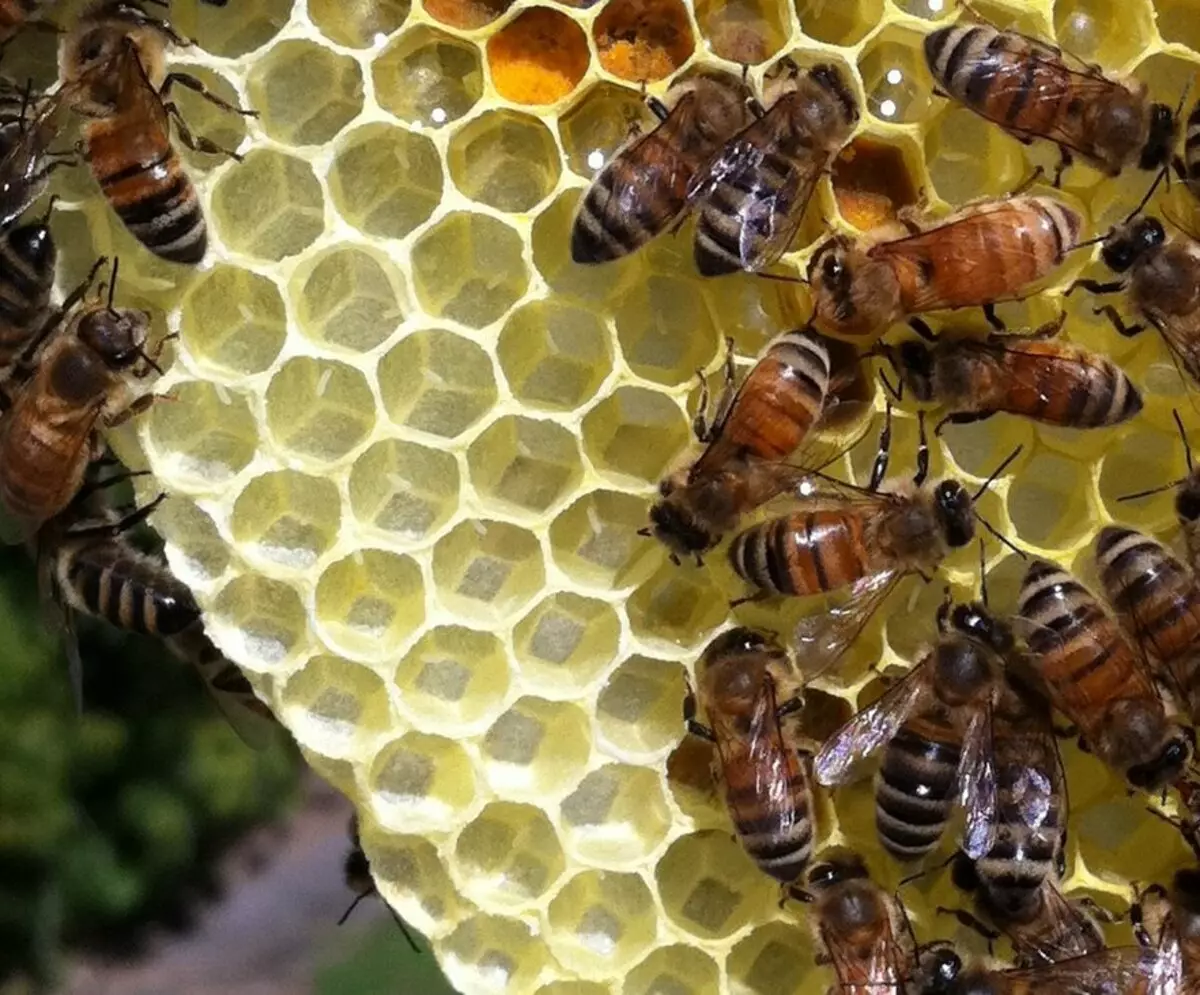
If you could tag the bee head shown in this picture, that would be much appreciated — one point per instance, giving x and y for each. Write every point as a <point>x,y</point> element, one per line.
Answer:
<point>1168,766</point>
<point>976,621</point>
<point>952,505</point>
<point>1129,242</point>
<point>830,78</point>
<point>914,362</point>
<point>1161,140</point>
<point>34,246</point>
<point>117,336</point>
<point>675,527</point>
<point>940,968</point>
<point>1187,499</point>
<point>836,868</point>
<point>741,640</point>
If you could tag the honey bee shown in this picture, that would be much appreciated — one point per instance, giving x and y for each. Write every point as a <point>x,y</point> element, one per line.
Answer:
<point>113,70</point>
<point>782,398</point>
<point>356,870</point>
<point>764,774</point>
<point>980,255</point>
<point>1188,167</point>
<point>28,124</point>
<point>1177,944</point>
<point>644,188</point>
<point>1028,88</point>
<point>28,256</point>
<point>1094,676</point>
<point>1056,383</point>
<point>937,727</point>
<point>753,195</point>
<point>1115,970</point>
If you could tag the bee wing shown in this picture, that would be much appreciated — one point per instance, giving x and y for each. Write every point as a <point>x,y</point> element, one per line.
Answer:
<point>977,784</point>
<point>822,638</point>
<point>773,761</point>
<point>875,974</point>
<point>1028,745</point>
<point>1112,971</point>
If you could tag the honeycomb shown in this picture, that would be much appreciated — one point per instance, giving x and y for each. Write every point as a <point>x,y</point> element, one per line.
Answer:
<point>411,444</point>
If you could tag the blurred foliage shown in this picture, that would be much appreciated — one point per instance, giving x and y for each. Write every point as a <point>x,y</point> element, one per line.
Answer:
<point>383,963</point>
<point>111,820</point>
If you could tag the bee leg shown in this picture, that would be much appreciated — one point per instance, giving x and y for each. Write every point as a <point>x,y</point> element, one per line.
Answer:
<point>879,470</point>
<point>989,312</point>
<point>759,595</point>
<point>1118,323</point>
<point>114,529</point>
<point>922,328</point>
<point>1096,910</point>
<point>192,83</point>
<point>1065,161</point>
<point>136,408</point>
<point>922,452</point>
<point>1180,168</point>
<point>657,107</point>
<point>694,727</point>
<point>1028,182</point>
<point>198,143</point>
<point>789,707</point>
<point>701,428</point>
<point>972,923</point>
<point>1096,287</point>
<point>961,418</point>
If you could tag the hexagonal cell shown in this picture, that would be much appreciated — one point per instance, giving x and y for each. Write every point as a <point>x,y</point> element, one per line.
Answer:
<point>421,782</point>
<point>846,22</point>
<point>677,606</point>
<point>895,77</point>
<point>640,708</point>
<point>1048,501</point>
<point>599,122</point>
<point>538,57</point>
<point>287,518</point>
<point>258,622</point>
<point>554,355</point>
<point>1144,459</point>
<point>348,297</point>
<point>537,748</point>
<point>565,642</point>
<point>524,465</point>
<point>412,878</point>
<point>772,960</point>
<point>197,552</point>
<point>203,117</point>
<point>574,988</point>
<point>370,602</point>
<point>358,23</point>
<point>487,570</point>
<point>618,814</point>
<point>872,181</point>
<point>233,320</point>
<point>319,409</point>
<point>595,541</point>
<point>967,156</point>
<point>454,675</point>
<point>233,31</point>
<point>206,437</point>
<point>600,922</point>
<point>404,490</point>
<point>386,181</point>
<point>931,10</point>
<point>508,855</point>
<point>677,970</point>
<point>744,31</point>
<point>506,160</point>
<point>493,954</point>
<point>467,14</point>
<point>271,206</point>
<point>469,267</point>
<point>304,93</point>
<point>710,888</point>
<point>437,382</point>
<point>1085,28</point>
<point>335,707</point>
<point>665,331</point>
<point>643,40</point>
<point>428,77</point>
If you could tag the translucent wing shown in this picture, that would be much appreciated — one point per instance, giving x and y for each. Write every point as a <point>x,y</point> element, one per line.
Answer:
<point>775,764</point>
<point>977,784</point>
<point>822,638</point>
<point>876,973</point>
<point>1114,971</point>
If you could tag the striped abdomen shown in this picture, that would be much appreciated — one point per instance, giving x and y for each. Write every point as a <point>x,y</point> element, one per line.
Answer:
<point>1191,150</point>
<point>45,446</point>
<point>914,787</point>
<point>776,831</point>
<point>27,259</point>
<point>802,553</point>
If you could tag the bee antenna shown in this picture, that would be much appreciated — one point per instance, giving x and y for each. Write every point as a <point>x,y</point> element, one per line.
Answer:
<point>996,473</point>
<point>1146,197</point>
<point>1003,540</point>
<point>112,283</point>
<point>1187,446</point>
<point>49,208</point>
<point>645,532</point>
<point>782,278</point>
<point>1092,241</point>
<point>983,591</point>
<point>26,99</point>
<point>404,929</point>
<point>146,356</point>
<point>354,905</point>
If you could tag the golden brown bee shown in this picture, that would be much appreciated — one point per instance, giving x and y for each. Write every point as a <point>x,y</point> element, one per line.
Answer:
<point>765,776</point>
<point>937,727</point>
<point>1188,167</point>
<point>1031,375</point>
<point>1028,88</point>
<point>356,870</point>
<point>1095,676</point>
<point>27,259</point>
<point>980,255</point>
<point>114,75</point>
<point>754,193</point>
<point>644,187</point>
<point>1124,970</point>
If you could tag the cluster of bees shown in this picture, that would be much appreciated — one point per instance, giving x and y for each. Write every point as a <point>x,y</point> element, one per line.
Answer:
<point>971,726</point>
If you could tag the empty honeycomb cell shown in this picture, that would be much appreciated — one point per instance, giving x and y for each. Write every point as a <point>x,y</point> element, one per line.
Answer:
<point>566,641</point>
<point>258,622</point>
<point>508,855</point>
<point>237,29</point>
<point>305,94</point>
<point>428,77</point>
<point>1048,501</point>
<point>524,465</point>
<point>287,518</point>
<point>978,449</point>
<point>453,675</point>
<point>554,355</point>
<point>536,748</point>
<point>404,490</point>
<point>271,206</point>
<point>437,382</point>
<point>207,436</point>
<point>198,553</point>
<point>467,14</point>
<point>203,117</point>
<point>1144,459</point>
<point>710,888</point>
<point>931,10</point>
<point>873,180</point>
<point>773,960</point>
<point>967,155</point>
<point>1109,833</point>
<point>895,78</point>
<point>1168,75</point>
<point>595,541</point>
<point>743,31</point>
<point>469,267</point>
<point>1083,28</point>
<point>643,40</point>
<point>601,922</point>
<point>839,22</point>
<point>358,23</point>
<point>911,624</point>
<point>575,988</point>
<point>506,160</point>
<point>674,970</point>
<point>598,123</point>
<point>336,706</point>
<point>617,815</point>
<point>640,707</point>
<point>386,181</point>
<point>665,331</point>
<point>677,605</point>
<point>493,954</point>
<point>634,434</point>
<point>412,878</point>
<point>233,321</point>
<point>421,782</point>
<point>348,298</point>
<point>370,602</point>
<point>318,409</point>
<point>487,570</point>
<point>602,286</point>
<point>538,57</point>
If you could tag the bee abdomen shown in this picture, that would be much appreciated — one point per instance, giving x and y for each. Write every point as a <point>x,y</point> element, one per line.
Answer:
<point>913,792</point>
<point>782,848</point>
<point>1191,146</point>
<point>131,592</point>
<point>167,220</point>
<point>1094,393</point>
<point>801,554</point>
<point>964,59</point>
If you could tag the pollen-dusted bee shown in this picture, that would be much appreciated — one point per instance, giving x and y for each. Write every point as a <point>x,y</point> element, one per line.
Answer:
<point>763,772</point>
<point>980,255</point>
<point>356,870</point>
<point>1031,375</point>
<point>754,193</point>
<point>1095,676</point>
<point>1028,88</point>
<point>113,71</point>
<point>644,187</point>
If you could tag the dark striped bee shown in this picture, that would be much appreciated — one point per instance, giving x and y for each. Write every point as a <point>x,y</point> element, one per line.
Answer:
<point>28,256</point>
<point>1028,88</point>
<point>980,255</point>
<point>644,188</point>
<point>753,194</point>
<point>29,122</point>
<point>1188,167</point>
<point>763,772</point>
<point>1124,970</point>
<point>114,75</point>
<point>356,870</point>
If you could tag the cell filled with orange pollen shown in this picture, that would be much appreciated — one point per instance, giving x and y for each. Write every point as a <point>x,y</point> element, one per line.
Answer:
<point>643,40</point>
<point>539,58</point>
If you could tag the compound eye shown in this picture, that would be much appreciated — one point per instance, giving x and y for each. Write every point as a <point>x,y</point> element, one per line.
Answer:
<point>833,267</point>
